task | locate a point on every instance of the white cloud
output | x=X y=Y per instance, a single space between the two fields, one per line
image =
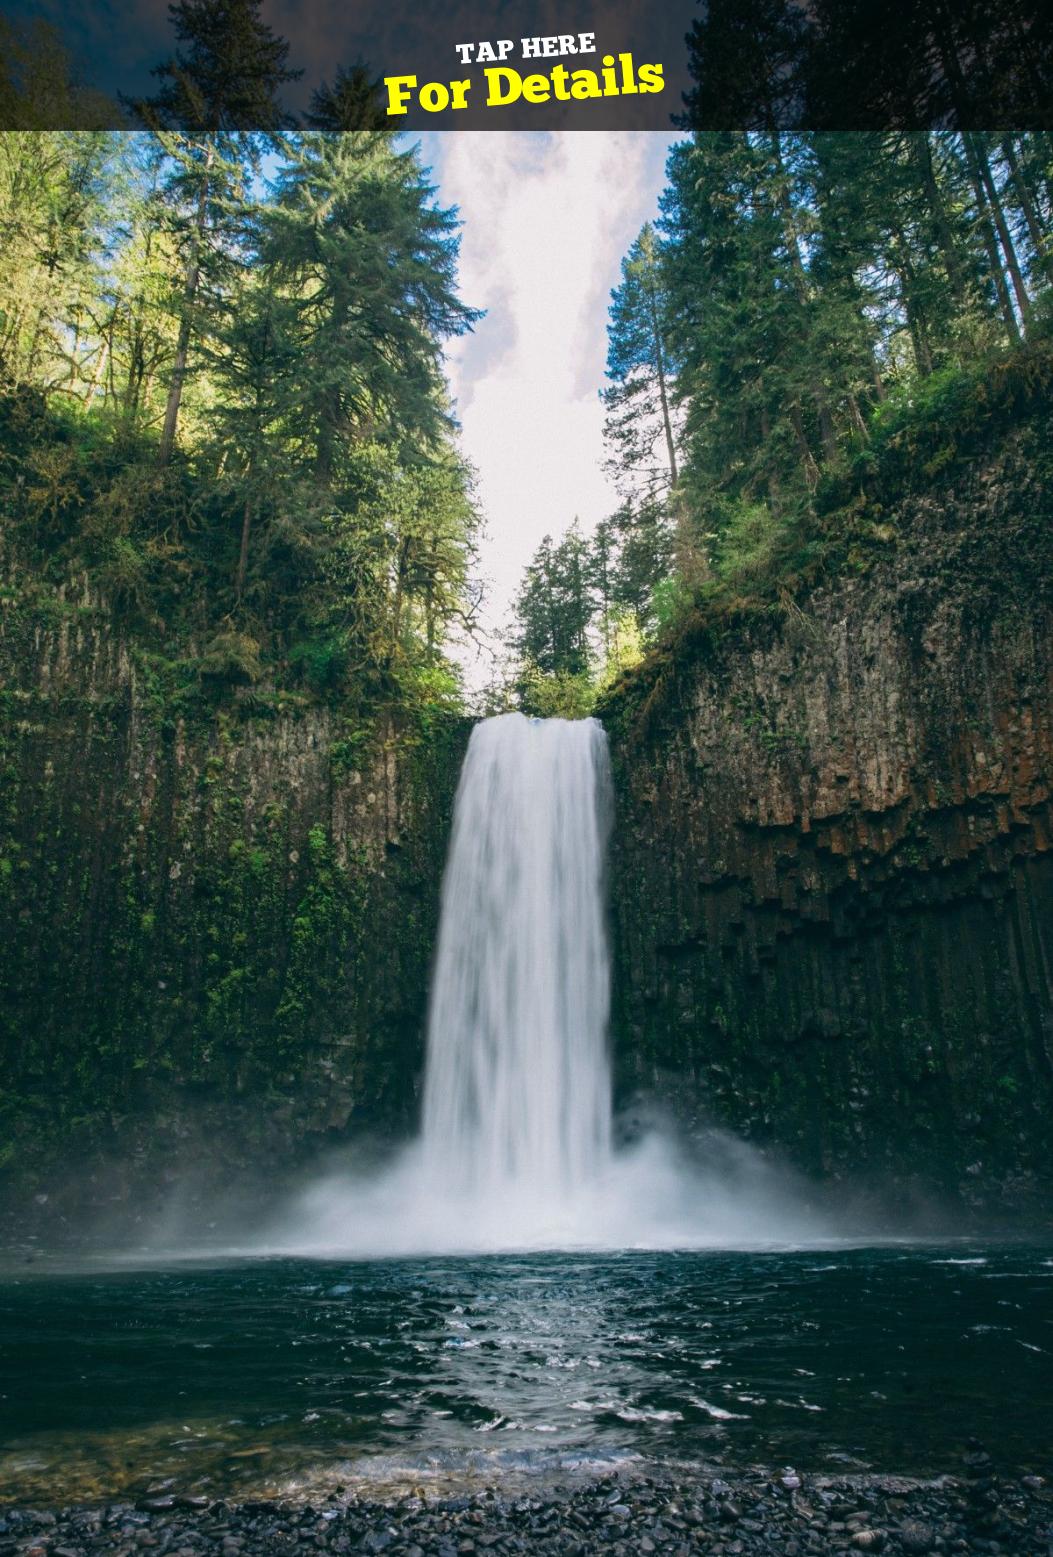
x=547 y=219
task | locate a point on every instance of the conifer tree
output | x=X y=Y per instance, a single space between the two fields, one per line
x=225 y=75
x=353 y=102
x=218 y=92
x=639 y=426
x=354 y=237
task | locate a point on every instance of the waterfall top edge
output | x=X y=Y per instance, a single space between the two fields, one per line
x=533 y=721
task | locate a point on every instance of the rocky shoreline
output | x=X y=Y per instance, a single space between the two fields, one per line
x=677 y=1510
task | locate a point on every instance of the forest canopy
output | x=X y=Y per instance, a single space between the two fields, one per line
x=806 y=304
x=221 y=396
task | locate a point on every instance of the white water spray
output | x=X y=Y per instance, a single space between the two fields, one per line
x=516 y=1151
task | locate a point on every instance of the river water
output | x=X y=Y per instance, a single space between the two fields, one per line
x=269 y=1375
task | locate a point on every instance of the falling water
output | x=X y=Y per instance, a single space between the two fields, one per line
x=517 y=1100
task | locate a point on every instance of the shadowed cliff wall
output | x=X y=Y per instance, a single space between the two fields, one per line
x=832 y=879
x=218 y=908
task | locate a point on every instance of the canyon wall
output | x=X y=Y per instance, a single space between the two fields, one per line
x=219 y=908
x=832 y=877
x=832 y=882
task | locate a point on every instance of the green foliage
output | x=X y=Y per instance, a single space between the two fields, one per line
x=232 y=656
x=638 y=397
x=560 y=694
x=226 y=72
x=834 y=314
x=562 y=655
x=328 y=917
x=40 y=85
x=854 y=64
x=555 y=606
x=223 y=403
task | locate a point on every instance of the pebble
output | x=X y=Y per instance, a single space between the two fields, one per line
x=916 y=1537
x=671 y=1514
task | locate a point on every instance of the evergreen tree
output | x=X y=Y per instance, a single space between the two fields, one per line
x=39 y=86
x=205 y=189
x=320 y=525
x=54 y=187
x=218 y=91
x=353 y=102
x=746 y=58
x=868 y=64
x=805 y=279
x=639 y=427
x=226 y=74
x=555 y=607
x=354 y=238
x=251 y=361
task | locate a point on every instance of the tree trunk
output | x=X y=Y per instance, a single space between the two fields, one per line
x=961 y=97
x=429 y=611
x=662 y=393
x=774 y=491
x=136 y=370
x=789 y=225
x=923 y=161
x=827 y=430
x=400 y=579
x=858 y=420
x=1008 y=247
x=811 y=469
x=175 y=383
x=96 y=377
x=193 y=277
x=990 y=242
x=1027 y=208
x=803 y=290
x=74 y=350
x=243 y=555
x=915 y=322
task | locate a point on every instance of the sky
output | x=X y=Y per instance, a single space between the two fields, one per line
x=547 y=219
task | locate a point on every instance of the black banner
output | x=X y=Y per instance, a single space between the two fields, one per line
x=652 y=64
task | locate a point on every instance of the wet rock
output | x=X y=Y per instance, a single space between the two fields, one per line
x=653 y=1518
x=915 y=1536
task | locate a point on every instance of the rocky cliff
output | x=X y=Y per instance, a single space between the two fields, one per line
x=219 y=907
x=833 y=886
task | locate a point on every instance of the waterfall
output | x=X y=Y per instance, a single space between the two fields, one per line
x=517 y=1099
x=515 y=1150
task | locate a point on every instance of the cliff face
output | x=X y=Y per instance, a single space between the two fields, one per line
x=219 y=911
x=833 y=891
x=832 y=883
